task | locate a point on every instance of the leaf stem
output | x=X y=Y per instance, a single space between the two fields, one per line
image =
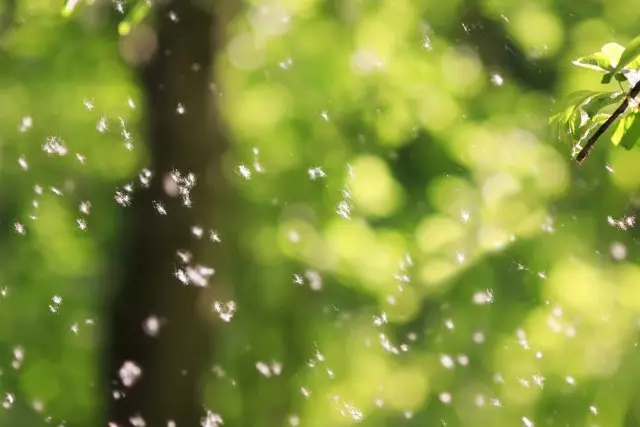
x=603 y=128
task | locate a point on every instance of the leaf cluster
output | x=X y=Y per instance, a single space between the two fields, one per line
x=588 y=113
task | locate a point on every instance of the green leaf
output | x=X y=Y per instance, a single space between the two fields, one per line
x=556 y=126
x=613 y=52
x=602 y=61
x=631 y=51
x=627 y=132
x=594 y=124
x=139 y=12
x=593 y=104
x=596 y=61
x=582 y=115
x=559 y=129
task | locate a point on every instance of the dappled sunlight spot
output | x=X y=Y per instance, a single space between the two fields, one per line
x=407 y=72
x=492 y=238
x=627 y=277
x=406 y=305
x=625 y=164
x=373 y=189
x=526 y=159
x=375 y=267
x=538 y=31
x=436 y=109
x=405 y=388
x=516 y=216
x=246 y=52
x=439 y=233
x=299 y=239
x=581 y=289
x=550 y=172
x=520 y=378
x=259 y=110
x=365 y=61
x=454 y=195
x=271 y=19
x=297 y=7
x=474 y=146
x=499 y=186
x=436 y=271
x=548 y=333
x=394 y=124
x=384 y=29
x=603 y=358
x=349 y=240
x=62 y=248
x=346 y=400
x=531 y=222
x=462 y=71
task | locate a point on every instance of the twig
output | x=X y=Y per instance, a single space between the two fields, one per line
x=603 y=128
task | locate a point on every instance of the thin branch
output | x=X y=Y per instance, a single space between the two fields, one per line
x=603 y=128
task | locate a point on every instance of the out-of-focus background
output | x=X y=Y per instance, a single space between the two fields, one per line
x=409 y=246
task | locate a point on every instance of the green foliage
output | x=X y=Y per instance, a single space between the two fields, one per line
x=627 y=133
x=627 y=59
x=510 y=287
x=583 y=114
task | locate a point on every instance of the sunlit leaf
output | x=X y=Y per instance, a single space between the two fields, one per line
x=579 y=96
x=602 y=61
x=627 y=132
x=613 y=52
x=597 y=61
x=631 y=51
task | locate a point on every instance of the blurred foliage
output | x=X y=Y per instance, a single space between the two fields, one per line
x=415 y=248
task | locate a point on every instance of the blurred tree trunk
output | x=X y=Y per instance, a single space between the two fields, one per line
x=182 y=134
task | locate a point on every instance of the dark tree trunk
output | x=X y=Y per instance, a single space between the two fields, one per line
x=178 y=76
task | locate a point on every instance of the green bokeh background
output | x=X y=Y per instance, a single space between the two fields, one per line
x=457 y=269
